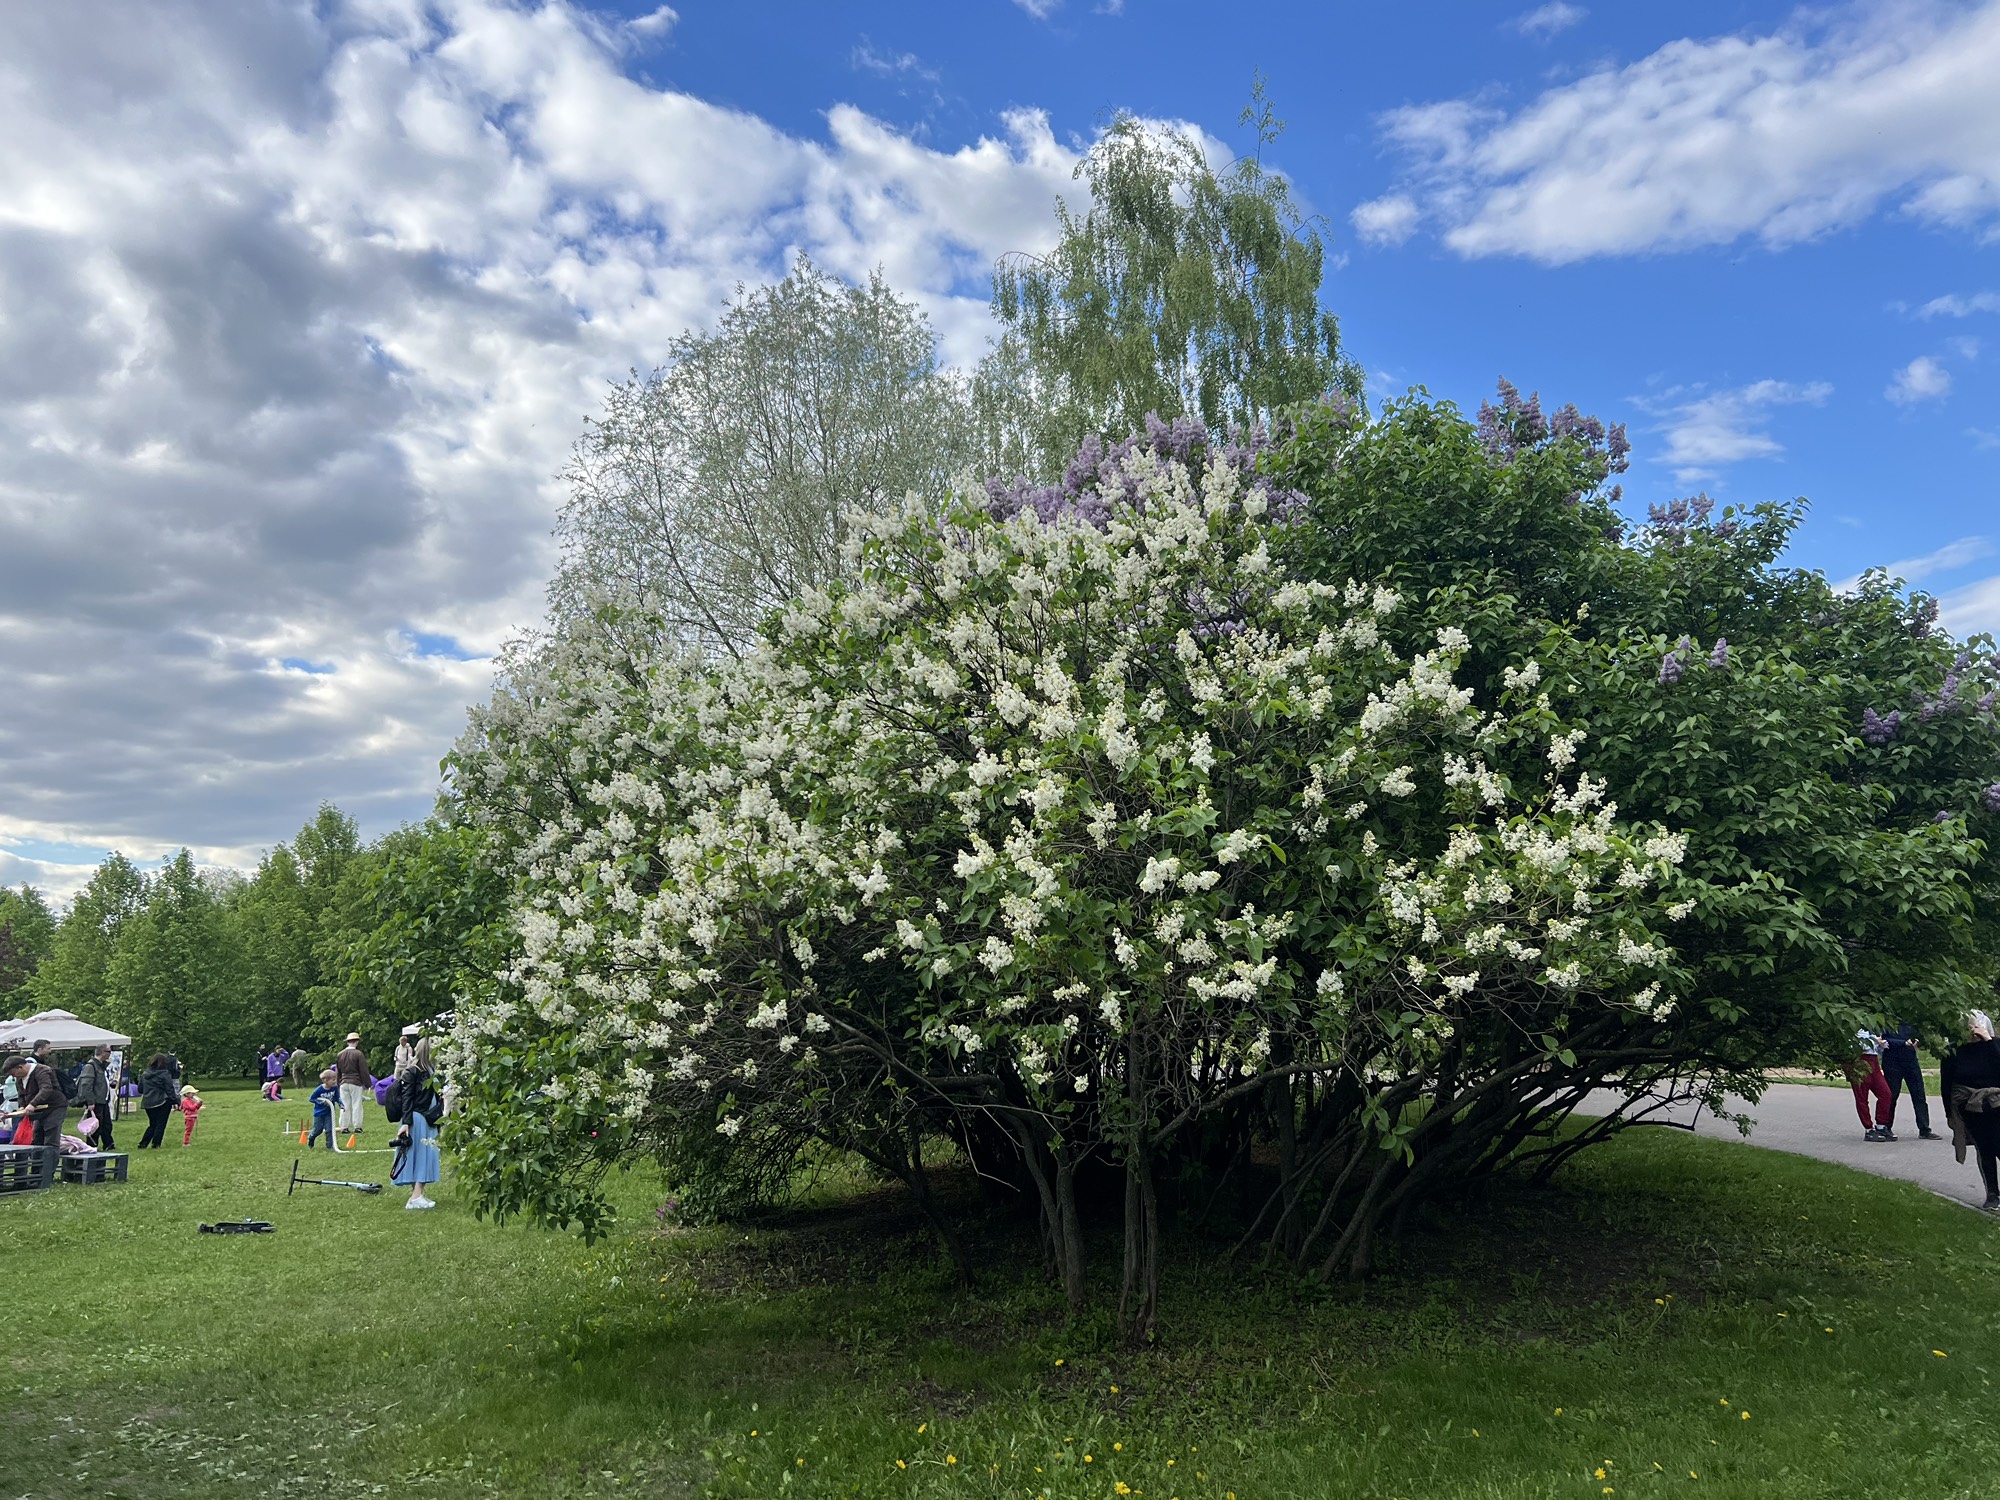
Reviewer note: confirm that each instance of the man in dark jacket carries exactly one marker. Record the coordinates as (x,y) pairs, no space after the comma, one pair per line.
(1900,1066)
(93,1090)
(42,1098)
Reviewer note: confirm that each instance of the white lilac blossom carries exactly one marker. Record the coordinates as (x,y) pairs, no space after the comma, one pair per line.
(1044,778)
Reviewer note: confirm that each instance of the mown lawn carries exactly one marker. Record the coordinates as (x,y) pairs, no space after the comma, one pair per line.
(1687,1316)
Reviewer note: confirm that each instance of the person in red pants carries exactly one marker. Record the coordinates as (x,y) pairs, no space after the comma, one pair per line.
(190,1107)
(1864,1076)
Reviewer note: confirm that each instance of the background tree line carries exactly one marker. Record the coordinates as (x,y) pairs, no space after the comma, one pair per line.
(326,936)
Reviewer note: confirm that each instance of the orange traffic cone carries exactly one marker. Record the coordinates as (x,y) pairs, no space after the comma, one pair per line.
(303,1135)
(351,1140)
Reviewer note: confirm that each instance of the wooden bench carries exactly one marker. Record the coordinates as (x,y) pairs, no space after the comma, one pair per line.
(102,1166)
(24,1168)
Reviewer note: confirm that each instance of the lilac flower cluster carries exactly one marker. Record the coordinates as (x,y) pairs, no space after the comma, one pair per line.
(1992,798)
(1674,665)
(1878,731)
(1095,485)
(1517,423)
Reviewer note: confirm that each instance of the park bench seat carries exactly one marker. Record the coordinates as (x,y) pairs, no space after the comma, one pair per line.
(24,1168)
(103,1166)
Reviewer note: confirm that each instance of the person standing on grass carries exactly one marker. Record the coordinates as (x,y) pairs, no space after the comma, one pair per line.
(1864,1076)
(416,1159)
(350,1069)
(93,1091)
(274,1073)
(1901,1066)
(190,1107)
(42,1098)
(324,1098)
(157,1093)
(1970,1084)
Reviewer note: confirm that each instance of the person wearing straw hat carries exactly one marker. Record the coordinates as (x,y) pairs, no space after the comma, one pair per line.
(350,1069)
(1970,1083)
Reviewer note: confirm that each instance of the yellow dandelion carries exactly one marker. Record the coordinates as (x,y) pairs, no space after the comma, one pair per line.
(1059,1364)
(800,1462)
(1475,1432)
(1088,1459)
(753,1432)
(1609,1490)
(1746,1416)
(1114,1390)
(1172,1461)
(1693,1475)
(1721,1400)
(1559,1411)
(1598,1475)
(951,1458)
(901,1465)
(922,1428)
(1117,1447)
(1659,1302)
(1939,1353)
(1121,1488)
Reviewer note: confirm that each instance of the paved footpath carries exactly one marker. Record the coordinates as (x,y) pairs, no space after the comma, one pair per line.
(1820,1122)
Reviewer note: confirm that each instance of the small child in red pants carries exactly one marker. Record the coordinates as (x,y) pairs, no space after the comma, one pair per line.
(1864,1076)
(190,1107)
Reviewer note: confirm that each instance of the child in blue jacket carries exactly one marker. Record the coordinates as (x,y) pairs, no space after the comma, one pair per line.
(324,1098)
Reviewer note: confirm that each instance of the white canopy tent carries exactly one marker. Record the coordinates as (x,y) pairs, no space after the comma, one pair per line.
(60,1029)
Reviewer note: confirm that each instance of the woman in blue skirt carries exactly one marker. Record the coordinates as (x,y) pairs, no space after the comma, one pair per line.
(416,1161)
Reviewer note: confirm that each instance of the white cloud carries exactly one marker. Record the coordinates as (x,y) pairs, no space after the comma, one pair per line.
(1386,221)
(1545,21)
(1041,10)
(867,59)
(1952,305)
(286,363)
(1922,379)
(1779,137)
(1972,610)
(1707,431)
(656,24)
(1946,559)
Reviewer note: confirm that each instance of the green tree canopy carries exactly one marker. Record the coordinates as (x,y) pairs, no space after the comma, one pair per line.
(717,486)
(27,934)
(74,976)
(1180,291)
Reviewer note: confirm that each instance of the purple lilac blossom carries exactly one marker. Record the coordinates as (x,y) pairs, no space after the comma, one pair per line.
(1719,657)
(1879,731)
(1992,798)
(1517,423)
(1093,485)
(1672,522)
(1942,817)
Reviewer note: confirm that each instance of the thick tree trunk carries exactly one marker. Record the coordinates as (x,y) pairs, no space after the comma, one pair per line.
(1139,1299)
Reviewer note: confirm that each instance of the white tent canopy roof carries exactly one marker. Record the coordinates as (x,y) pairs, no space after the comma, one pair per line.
(59,1028)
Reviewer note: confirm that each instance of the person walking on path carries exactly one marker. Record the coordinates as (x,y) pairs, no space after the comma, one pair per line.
(157,1093)
(42,1098)
(93,1091)
(1970,1084)
(190,1107)
(350,1070)
(1901,1066)
(1864,1076)
(416,1160)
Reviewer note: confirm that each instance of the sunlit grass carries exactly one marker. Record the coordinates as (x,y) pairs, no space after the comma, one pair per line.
(1624,1322)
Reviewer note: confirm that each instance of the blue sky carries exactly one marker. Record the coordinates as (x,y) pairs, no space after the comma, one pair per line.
(301,304)
(1639,331)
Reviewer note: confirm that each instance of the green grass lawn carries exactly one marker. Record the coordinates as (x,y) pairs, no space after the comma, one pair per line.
(1688,1316)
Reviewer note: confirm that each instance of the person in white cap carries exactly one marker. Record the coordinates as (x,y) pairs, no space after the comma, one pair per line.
(406,1049)
(1971,1089)
(350,1071)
